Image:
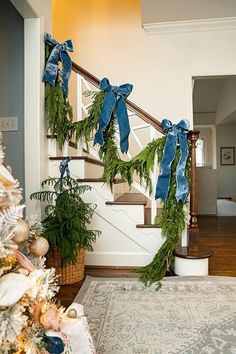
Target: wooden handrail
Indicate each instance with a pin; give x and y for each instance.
(138, 111)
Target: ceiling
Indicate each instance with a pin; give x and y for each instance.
(156, 11)
(208, 94)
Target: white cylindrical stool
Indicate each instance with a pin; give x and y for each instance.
(190, 263)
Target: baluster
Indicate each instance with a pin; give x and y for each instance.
(153, 178)
(52, 147)
(79, 108)
(65, 149)
(193, 136)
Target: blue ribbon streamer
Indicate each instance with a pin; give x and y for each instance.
(114, 100)
(64, 167)
(58, 53)
(176, 134)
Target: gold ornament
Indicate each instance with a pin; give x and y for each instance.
(9, 261)
(21, 231)
(39, 246)
(72, 313)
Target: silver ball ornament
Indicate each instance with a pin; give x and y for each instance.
(21, 231)
(72, 313)
(39, 247)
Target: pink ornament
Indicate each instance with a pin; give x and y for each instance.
(50, 319)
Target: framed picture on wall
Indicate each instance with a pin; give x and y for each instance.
(227, 156)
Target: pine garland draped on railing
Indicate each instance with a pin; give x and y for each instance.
(172, 216)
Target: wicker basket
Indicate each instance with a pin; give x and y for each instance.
(70, 272)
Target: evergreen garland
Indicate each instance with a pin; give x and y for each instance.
(172, 222)
(172, 217)
(58, 109)
(85, 128)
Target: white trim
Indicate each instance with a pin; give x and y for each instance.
(118, 259)
(211, 24)
(32, 106)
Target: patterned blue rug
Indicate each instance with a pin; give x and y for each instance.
(192, 315)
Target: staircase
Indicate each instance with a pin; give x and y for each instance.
(125, 216)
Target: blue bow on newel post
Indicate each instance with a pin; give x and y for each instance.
(58, 53)
(114, 100)
(176, 134)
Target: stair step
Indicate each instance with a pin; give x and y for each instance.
(132, 197)
(115, 181)
(147, 215)
(85, 158)
(147, 226)
(126, 203)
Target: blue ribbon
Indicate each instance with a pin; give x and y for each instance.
(114, 100)
(176, 134)
(58, 53)
(64, 167)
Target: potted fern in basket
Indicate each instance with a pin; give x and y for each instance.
(66, 226)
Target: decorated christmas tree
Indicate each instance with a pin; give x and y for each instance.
(27, 310)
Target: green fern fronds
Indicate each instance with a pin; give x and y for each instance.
(67, 217)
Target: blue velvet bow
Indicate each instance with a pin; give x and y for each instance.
(114, 100)
(176, 133)
(58, 53)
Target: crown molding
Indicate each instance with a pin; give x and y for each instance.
(212, 24)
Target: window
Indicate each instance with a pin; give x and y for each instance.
(200, 152)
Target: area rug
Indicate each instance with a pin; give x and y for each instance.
(192, 315)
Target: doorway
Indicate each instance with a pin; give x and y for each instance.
(214, 115)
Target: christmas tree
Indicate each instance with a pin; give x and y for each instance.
(29, 317)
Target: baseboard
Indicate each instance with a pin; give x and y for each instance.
(117, 259)
(111, 267)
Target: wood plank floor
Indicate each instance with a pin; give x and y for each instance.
(218, 234)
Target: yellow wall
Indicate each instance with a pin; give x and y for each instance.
(109, 41)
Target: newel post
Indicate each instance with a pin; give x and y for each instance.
(193, 136)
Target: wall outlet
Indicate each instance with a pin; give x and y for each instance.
(8, 124)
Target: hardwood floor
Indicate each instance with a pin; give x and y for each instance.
(218, 234)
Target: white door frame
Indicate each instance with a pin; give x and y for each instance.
(35, 151)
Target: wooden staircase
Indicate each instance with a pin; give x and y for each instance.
(129, 236)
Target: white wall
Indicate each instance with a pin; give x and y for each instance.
(207, 190)
(110, 41)
(12, 85)
(226, 136)
(227, 102)
(180, 10)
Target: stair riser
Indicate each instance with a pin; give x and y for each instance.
(77, 168)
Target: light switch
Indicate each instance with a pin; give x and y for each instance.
(8, 124)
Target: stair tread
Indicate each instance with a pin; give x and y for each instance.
(85, 158)
(132, 197)
(116, 180)
(125, 203)
(147, 226)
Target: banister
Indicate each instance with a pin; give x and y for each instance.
(193, 136)
(137, 110)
